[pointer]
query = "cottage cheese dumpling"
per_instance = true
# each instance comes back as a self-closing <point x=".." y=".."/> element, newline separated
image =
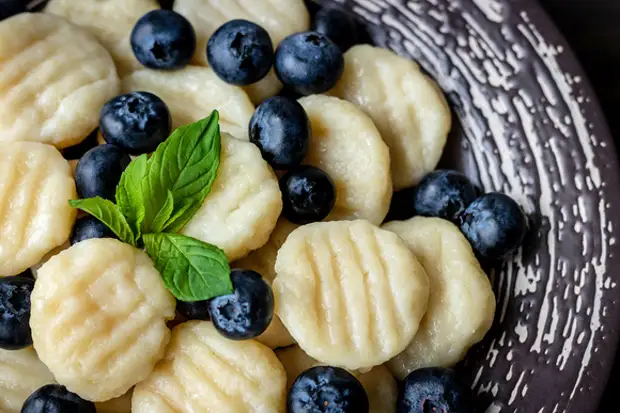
<point x="407" y="106"/>
<point x="21" y="373"/>
<point x="379" y="383"/>
<point x="263" y="261"/>
<point x="119" y="405"/>
<point x="462" y="303"/>
<point x="110" y="21"/>
<point x="244" y="204"/>
<point x="351" y="295"/>
<point x="99" y="313"/>
<point x="36" y="184"/>
<point x="346" y="144"/>
<point x="205" y="372"/>
<point x="193" y="93"/>
<point x="54" y="79"/>
<point x="279" y="17"/>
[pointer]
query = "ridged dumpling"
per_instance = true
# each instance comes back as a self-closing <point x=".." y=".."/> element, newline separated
<point x="379" y="383"/>
<point x="21" y="373"/>
<point x="118" y="405"/>
<point x="263" y="261"/>
<point x="36" y="184"/>
<point x="352" y="295"/>
<point x="347" y="145"/>
<point x="54" y="79"/>
<point x="244" y="204"/>
<point x="193" y="93"/>
<point x="462" y="303"/>
<point x="407" y="107"/>
<point x="110" y="21"/>
<point x="205" y="372"/>
<point x="98" y="319"/>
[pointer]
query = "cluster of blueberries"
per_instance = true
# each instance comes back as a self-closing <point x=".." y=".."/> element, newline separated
<point x="241" y="53"/>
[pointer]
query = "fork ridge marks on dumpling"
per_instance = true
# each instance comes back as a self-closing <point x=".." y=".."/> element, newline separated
<point x="346" y="144"/>
<point x="36" y="184"/>
<point x="21" y="373"/>
<point x="110" y="21"/>
<point x="351" y="294"/>
<point x="205" y="372"/>
<point x="193" y="93"/>
<point x="54" y="79"/>
<point x="462" y="303"/>
<point x="407" y="106"/>
<point x="99" y="313"/>
<point x="244" y="204"/>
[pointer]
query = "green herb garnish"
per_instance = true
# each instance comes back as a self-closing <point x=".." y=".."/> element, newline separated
<point x="157" y="197"/>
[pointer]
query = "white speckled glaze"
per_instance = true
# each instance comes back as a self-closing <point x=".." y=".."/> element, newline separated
<point x="530" y="127"/>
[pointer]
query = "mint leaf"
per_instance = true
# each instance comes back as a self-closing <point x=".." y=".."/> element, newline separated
<point x="129" y="193"/>
<point x="185" y="164"/>
<point x="192" y="270"/>
<point x="163" y="215"/>
<point x="108" y="213"/>
<point x="176" y="222"/>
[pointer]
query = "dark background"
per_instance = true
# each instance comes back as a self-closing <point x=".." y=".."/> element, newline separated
<point x="592" y="28"/>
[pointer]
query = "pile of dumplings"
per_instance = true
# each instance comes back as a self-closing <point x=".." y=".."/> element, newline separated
<point x="378" y="299"/>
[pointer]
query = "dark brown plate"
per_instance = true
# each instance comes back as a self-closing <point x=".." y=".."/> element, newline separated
<point x="531" y="127"/>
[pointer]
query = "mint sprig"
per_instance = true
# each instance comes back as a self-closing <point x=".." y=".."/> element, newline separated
<point x="157" y="197"/>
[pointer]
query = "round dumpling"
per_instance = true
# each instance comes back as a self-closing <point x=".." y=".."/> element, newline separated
<point x="347" y="145"/>
<point x="263" y="261"/>
<point x="407" y="106"/>
<point x="205" y="372"/>
<point x="99" y="313"/>
<point x="279" y="17"/>
<point x="21" y="373"/>
<point x="54" y="79"/>
<point x="244" y="204"/>
<point x="462" y="303"/>
<point x="35" y="268"/>
<point x="379" y="383"/>
<point x="36" y="184"/>
<point x="97" y="16"/>
<point x="352" y="295"/>
<point x="119" y="405"/>
<point x="193" y="93"/>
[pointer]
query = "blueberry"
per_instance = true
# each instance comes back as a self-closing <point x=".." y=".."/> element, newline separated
<point x="55" y="398"/>
<point x="402" y="206"/>
<point x="281" y="129"/>
<point x="495" y="225"/>
<point x="9" y="8"/>
<point x="198" y="310"/>
<point x="15" y="312"/>
<point x="89" y="227"/>
<point x="434" y="390"/>
<point x="309" y="63"/>
<point x="240" y="52"/>
<point x="327" y="389"/>
<point x="247" y="312"/>
<point x="338" y="25"/>
<point x="99" y="171"/>
<point x="77" y="151"/>
<point x="308" y="194"/>
<point x="163" y="39"/>
<point x="444" y="194"/>
<point x="136" y="122"/>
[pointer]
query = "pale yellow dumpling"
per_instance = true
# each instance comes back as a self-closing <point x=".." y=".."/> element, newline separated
<point x="119" y="405"/>
<point x="346" y="144"/>
<point x="244" y="204"/>
<point x="21" y="374"/>
<point x="193" y="93"/>
<point x="36" y="184"/>
<point x="205" y="372"/>
<point x="54" y="79"/>
<point x="351" y="295"/>
<point x="99" y="313"/>
<point x="462" y="303"/>
<point x="110" y="21"/>
<point x="407" y="107"/>
<point x="379" y="383"/>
